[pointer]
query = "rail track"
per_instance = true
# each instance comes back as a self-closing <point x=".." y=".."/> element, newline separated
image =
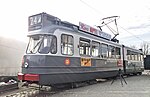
<point x="32" y="91"/>
<point x="21" y="92"/>
<point x="35" y="91"/>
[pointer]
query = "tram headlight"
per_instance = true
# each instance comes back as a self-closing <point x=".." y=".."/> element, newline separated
<point x="26" y="65"/>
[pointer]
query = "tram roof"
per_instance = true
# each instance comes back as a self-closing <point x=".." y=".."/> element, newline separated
<point x="132" y="49"/>
<point x="44" y="21"/>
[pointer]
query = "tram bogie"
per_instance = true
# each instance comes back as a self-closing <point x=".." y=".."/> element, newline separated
<point x="60" y="52"/>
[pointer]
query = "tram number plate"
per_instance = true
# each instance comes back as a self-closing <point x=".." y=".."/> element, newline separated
<point x="85" y="62"/>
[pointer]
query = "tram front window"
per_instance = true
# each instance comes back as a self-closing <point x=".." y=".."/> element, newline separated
<point x="42" y="44"/>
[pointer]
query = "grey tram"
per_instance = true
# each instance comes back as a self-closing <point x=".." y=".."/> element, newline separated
<point x="60" y="52"/>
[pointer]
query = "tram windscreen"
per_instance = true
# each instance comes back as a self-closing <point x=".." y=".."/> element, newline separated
<point x="42" y="44"/>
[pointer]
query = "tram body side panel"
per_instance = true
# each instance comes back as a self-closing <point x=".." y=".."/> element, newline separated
<point x="134" y="67"/>
<point x="54" y="69"/>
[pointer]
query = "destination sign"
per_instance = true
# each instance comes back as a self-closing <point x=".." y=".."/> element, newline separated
<point x="91" y="30"/>
<point x="39" y="21"/>
<point x="35" y="22"/>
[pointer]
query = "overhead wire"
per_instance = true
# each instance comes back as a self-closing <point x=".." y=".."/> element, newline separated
<point x="134" y="35"/>
<point x="97" y="11"/>
<point x="118" y="25"/>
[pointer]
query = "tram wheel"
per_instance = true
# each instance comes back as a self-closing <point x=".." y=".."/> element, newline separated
<point x="140" y="73"/>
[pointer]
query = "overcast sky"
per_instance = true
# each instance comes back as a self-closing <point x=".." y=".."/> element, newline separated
<point x="134" y="15"/>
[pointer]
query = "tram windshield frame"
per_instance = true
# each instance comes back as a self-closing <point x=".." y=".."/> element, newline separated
<point x="42" y="44"/>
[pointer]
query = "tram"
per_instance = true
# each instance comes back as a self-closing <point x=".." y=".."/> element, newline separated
<point x="60" y="52"/>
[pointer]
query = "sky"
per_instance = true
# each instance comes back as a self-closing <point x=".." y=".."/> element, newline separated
<point x="133" y="24"/>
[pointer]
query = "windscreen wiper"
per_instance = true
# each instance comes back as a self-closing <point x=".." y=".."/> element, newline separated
<point x="39" y="43"/>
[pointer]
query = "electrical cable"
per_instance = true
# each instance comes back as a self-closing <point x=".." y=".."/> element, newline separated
<point x="118" y="25"/>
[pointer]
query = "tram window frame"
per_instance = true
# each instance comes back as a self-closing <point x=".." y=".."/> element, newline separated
<point x="37" y="47"/>
<point x="132" y="55"/>
<point x="68" y="46"/>
<point x="34" y="42"/>
<point x="54" y="46"/>
<point x="111" y="52"/>
<point x="94" y="53"/>
<point x="48" y="48"/>
<point x="83" y="50"/>
<point x="105" y="55"/>
<point x="142" y="57"/>
<point x="118" y="54"/>
<point x="135" y="56"/>
<point x="128" y="55"/>
<point x="139" y="57"/>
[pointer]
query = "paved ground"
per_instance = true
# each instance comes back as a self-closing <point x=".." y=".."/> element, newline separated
<point x="137" y="86"/>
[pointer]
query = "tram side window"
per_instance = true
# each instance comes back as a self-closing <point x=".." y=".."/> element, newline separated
<point x="84" y="47"/>
<point x="104" y="51"/>
<point x="132" y="55"/>
<point x="118" y="54"/>
<point x="53" y="47"/>
<point x="139" y="57"/>
<point x="95" y="49"/>
<point x="67" y="44"/>
<point x="136" y="56"/>
<point x="112" y="52"/>
<point x="128" y="55"/>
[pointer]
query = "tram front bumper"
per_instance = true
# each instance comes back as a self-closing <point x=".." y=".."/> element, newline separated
<point x="28" y="77"/>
